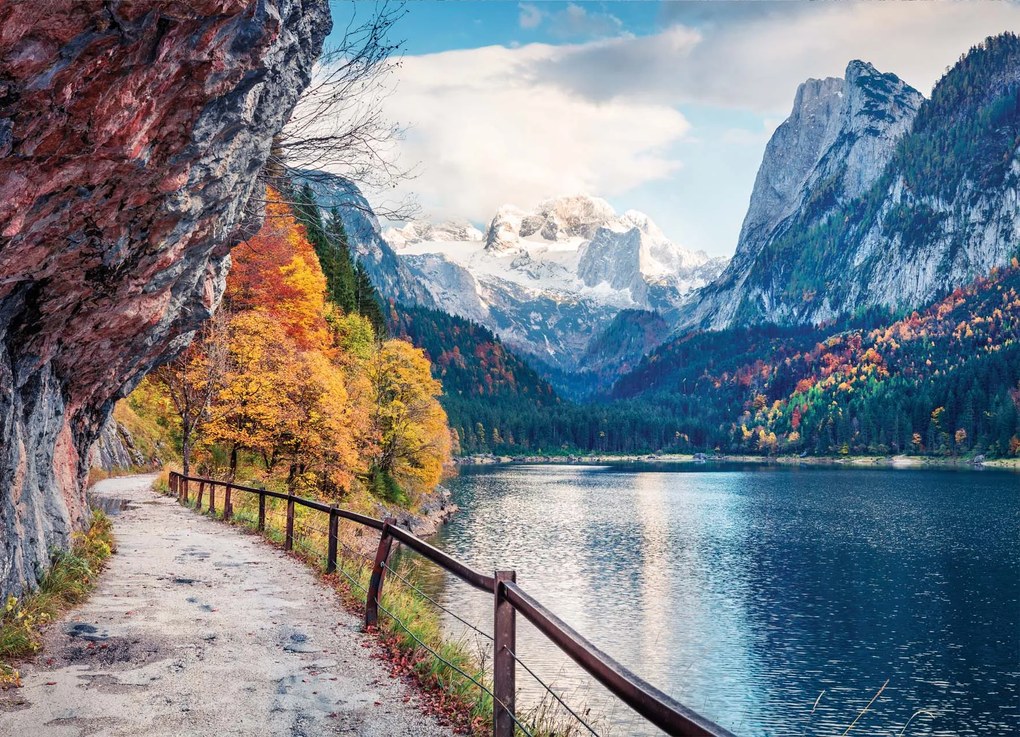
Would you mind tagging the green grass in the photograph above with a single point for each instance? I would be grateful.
(71, 577)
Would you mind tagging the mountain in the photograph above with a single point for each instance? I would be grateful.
(869, 195)
(942, 381)
(613, 352)
(548, 280)
(483, 381)
(388, 273)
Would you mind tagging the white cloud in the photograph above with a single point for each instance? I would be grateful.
(756, 62)
(494, 125)
(574, 21)
(530, 17)
(484, 132)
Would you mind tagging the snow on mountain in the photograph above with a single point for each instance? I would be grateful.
(547, 281)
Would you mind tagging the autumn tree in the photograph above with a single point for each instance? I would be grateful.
(193, 379)
(323, 431)
(414, 440)
(248, 409)
(277, 271)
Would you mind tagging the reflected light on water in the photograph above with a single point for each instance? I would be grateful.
(748, 593)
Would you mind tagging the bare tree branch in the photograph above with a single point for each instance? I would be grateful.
(338, 127)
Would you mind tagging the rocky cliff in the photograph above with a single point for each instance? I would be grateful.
(131, 137)
(870, 196)
(114, 450)
(388, 273)
(837, 141)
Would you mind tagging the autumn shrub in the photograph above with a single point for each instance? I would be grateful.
(71, 577)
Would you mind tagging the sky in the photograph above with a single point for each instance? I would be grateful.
(660, 107)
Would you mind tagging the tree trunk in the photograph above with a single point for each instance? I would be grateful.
(186, 450)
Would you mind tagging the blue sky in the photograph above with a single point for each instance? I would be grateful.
(659, 107)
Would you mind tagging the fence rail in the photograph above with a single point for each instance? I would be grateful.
(508, 599)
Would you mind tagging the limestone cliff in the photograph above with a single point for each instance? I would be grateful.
(836, 143)
(131, 137)
(871, 197)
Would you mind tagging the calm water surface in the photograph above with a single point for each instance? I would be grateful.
(774, 601)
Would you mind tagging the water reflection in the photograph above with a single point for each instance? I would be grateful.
(775, 601)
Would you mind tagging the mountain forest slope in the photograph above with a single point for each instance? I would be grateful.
(905, 199)
(869, 307)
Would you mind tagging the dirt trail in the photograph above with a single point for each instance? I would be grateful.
(196, 629)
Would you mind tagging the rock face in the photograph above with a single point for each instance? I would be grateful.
(870, 196)
(547, 281)
(114, 449)
(837, 141)
(388, 273)
(131, 137)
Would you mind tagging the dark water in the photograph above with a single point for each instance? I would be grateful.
(774, 601)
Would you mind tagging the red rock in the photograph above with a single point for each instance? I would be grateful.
(126, 166)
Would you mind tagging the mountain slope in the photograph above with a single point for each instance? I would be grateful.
(389, 275)
(942, 381)
(483, 381)
(907, 202)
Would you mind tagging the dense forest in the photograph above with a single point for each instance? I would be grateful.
(943, 381)
(301, 384)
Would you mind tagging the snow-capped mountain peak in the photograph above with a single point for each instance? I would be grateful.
(418, 231)
(548, 279)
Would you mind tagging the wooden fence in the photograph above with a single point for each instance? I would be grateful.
(509, 599)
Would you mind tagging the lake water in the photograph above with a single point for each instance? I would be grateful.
(775, 601)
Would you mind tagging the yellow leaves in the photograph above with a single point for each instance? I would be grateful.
(414, 437)
(305, 390)
(304, 305)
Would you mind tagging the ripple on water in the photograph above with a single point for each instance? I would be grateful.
(777, 602)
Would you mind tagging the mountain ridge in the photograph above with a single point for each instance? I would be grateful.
(904, 205)
(547, 280)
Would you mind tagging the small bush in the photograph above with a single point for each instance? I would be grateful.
(71, 577)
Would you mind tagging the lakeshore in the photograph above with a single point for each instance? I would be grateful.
(895, 461)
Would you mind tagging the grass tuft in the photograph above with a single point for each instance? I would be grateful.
(71, 577)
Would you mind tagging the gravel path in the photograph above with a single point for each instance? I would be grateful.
(196, 629)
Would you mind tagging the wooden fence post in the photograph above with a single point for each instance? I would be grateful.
(262, 512)
(504, 666)
(375, 583)
(212, 499)
(182, 481)
(334, 530)
(201, 492)
(228, 508)
(288, 542)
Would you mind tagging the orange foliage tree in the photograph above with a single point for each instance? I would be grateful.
(305, 391)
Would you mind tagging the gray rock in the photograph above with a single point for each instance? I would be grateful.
(833, 147)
